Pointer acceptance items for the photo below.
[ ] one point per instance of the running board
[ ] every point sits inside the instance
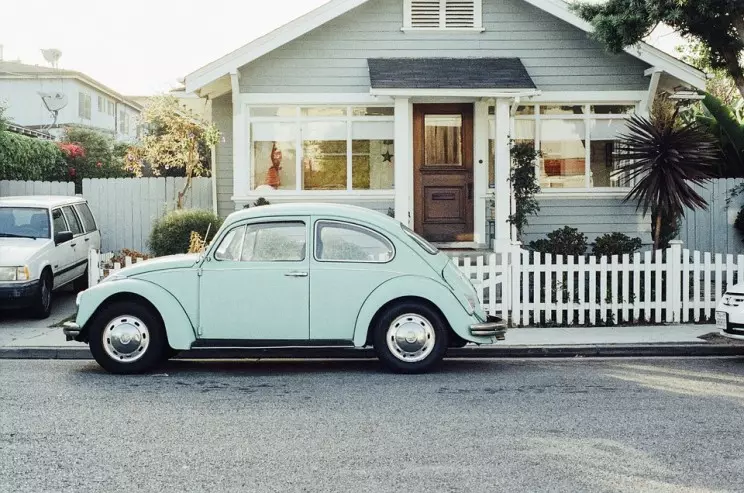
(269, 343)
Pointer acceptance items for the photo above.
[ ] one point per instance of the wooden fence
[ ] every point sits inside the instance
(712, 230)
(12, 188)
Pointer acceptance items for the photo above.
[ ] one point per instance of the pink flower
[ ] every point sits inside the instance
(72, 172)
(99, 164)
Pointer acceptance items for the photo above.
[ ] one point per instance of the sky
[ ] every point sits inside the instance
(143, 47)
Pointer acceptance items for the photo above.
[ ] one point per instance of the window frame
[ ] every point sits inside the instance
(84, 105)
(477, 18)
(316, 232)
(80, 205)
(75, 217)
(245, 226)
(51, 221)
(587, 117)
(297, 119)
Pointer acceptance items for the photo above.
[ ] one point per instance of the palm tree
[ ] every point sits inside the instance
(665, 161)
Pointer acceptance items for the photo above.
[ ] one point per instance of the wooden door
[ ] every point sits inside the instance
(443, 171)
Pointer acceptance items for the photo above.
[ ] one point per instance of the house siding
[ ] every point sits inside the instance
(333, 57)
(222, 115)
(592, 216)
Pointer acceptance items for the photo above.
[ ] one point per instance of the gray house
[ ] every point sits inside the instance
(408, 107)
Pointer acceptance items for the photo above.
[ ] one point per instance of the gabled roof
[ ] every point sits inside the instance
(17, 70)
(448, 73)
(231, 62)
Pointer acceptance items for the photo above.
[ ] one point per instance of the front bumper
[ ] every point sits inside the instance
(71, 330)
(17, 294)
(492, 327)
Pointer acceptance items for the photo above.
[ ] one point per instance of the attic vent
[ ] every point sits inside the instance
(443, 14)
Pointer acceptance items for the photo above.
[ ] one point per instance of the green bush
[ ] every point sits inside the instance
(103, 156)
(616, 244)
(26, 158)
(172, 233)
(564, 241)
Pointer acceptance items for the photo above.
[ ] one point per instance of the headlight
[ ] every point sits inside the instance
(14, 273)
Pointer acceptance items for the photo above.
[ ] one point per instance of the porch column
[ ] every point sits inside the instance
(502, 237)
(241, 149)
(404, 161)
(480, 171)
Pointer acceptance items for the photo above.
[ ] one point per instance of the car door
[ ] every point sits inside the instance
(254, 289)
(63, 255)
(80, 255)
(92, 235)
(349, 261)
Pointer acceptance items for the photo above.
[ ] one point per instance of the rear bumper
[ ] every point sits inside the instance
(71, 330)
(492, 327)
(17, 294)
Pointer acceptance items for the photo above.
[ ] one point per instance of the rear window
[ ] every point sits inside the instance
(87, 217)
(420, 240)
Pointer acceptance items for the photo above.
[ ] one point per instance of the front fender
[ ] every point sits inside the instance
(178, 327)
(420, 287)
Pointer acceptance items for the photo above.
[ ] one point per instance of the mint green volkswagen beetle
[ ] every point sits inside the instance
(292, 275)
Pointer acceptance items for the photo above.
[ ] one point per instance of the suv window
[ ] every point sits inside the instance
(72, 220)
(87, 217)
(58, 220)
(345, 242)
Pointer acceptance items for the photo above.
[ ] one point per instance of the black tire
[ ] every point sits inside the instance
(155, 350)
(81, 283)
(420, 314)
(42, 304)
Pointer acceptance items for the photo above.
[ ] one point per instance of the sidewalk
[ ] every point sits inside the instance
(665, 340)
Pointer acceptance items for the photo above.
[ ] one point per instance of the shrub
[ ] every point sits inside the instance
(564, 241)
(739, 223)
(102, 156)
(257, 203)
(172, 233)
(26, 158)
(616, 244)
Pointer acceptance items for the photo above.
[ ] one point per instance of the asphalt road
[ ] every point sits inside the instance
(669, 425)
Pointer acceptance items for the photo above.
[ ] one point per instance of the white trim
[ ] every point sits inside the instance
(480, 169)
(584, 193)
(642, 51)
(588, 97)
(477, 93)
(653, 86)
(477, 18)
(241, 139)
(403, 161)
(443, 29)
(334, 8)
(292, 99)
(318, 195)
(502, 204)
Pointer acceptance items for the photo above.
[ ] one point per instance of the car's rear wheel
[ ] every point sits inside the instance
(127, 337)
(81, 283)
(410, 338)
(42, 305)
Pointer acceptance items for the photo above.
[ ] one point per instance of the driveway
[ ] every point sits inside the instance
(17, 325)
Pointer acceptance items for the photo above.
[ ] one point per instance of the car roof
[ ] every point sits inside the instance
(343, 211)
(46, 201)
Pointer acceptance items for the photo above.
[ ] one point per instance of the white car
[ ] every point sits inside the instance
(44, 244)
(730, 313)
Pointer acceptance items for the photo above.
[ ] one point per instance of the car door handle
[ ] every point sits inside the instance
(73, 244)
(87, 239)
(296, 274)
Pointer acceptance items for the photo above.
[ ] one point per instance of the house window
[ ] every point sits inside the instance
(443, 14)
(110, 108)
(101, 104)
(322, 148)
(123, 122)
(84, 105)
(578, 143)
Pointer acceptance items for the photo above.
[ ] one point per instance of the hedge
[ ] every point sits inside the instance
(26, 158)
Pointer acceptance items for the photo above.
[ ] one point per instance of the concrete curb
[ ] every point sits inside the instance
(496, 351)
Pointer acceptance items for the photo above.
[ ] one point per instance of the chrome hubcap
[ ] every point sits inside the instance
(126, 339)
(46, 294)
(410, 338)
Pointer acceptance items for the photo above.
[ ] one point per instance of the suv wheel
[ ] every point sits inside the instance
(42, 305)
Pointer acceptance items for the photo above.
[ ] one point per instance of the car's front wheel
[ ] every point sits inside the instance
(410, 338)
(127, 337)
(42, 305)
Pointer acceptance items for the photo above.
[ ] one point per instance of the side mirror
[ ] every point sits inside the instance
(62, 237)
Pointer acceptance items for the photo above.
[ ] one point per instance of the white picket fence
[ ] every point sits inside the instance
(672, 286)
(12, 188)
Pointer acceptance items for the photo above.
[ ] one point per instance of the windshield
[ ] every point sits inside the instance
(420, 240)
(24, 222)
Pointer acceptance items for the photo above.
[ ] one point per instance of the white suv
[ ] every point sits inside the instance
(44, 244)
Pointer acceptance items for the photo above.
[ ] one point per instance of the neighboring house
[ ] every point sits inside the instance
(89, 103)
(409, 105)
(198, 106)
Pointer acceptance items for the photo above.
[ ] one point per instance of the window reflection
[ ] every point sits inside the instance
(443, 140)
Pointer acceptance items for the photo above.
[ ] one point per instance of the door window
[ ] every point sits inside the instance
(72, 220)
(231, 245)
(275, 242)
(87, 217)
(346, 242)
(58, 220)
(443, 140)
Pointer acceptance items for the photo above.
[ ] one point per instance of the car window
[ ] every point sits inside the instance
(58, 220)
(346, 242)
(27, 222)
(72, 220)
(231, 246)
(87, 217)
(275, 242)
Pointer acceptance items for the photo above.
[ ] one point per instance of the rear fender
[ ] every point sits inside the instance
(178, 327)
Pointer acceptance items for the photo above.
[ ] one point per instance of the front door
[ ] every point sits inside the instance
(255, 289)
(443, 171)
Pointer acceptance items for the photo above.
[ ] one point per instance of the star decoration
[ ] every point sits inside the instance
(387, 157)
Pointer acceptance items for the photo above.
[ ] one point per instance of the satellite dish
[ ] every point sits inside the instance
(52, 55)
(54, 101)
